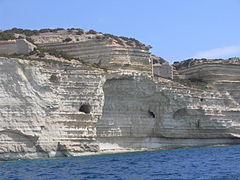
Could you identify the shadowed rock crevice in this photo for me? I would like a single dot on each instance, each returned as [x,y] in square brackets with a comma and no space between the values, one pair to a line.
[151,114]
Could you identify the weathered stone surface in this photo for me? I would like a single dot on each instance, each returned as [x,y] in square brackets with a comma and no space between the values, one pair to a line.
[41,114]
[52,108]
[224,75]
[105,53]
[163,70]
[140,108]
[38,114]
[192,62]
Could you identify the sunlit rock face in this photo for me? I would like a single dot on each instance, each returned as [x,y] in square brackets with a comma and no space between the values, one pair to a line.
[61,108]
[140,112]
[104,50]
[41,107]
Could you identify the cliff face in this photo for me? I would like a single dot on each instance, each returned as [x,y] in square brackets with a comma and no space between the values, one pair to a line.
[62,108]
[105,53]
[224,75]
[141,112]
[40,104]
[105,97]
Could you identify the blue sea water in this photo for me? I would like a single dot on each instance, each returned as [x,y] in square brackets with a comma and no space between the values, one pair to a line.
[197,163]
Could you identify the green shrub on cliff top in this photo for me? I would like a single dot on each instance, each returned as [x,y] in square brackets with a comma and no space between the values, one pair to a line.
[91,32]
[6,36]
[26,32]
[67,40]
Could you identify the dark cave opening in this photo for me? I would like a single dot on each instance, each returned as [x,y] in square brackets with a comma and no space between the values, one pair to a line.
[86,108]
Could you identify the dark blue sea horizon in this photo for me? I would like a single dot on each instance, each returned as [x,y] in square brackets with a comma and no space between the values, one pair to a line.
[218,163]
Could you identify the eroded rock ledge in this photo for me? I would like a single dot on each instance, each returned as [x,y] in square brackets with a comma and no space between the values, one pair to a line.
[99,93]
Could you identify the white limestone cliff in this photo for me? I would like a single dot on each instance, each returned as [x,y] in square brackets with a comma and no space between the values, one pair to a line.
[79,93]
[60,108]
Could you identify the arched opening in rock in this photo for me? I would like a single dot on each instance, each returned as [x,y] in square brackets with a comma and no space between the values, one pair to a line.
[151,114]
[86,108]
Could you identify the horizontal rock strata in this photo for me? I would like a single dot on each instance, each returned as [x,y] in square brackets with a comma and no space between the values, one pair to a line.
[52,108]
[110,96]
[105,54]
[40,106]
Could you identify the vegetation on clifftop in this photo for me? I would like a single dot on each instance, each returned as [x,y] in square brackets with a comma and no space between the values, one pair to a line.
[191,62]
[18,33]
[39,54]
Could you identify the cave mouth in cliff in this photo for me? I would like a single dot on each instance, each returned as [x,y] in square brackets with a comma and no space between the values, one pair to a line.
[151,114]
[86,108]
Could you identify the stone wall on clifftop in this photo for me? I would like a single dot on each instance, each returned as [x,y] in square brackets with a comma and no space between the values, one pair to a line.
[19,46]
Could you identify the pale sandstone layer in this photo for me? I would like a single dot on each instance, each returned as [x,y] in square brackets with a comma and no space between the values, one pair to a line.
[129,110]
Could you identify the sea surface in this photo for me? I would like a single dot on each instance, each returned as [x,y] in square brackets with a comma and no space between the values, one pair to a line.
[197,163]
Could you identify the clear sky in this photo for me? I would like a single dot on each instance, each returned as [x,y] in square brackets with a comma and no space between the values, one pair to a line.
[177,29]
